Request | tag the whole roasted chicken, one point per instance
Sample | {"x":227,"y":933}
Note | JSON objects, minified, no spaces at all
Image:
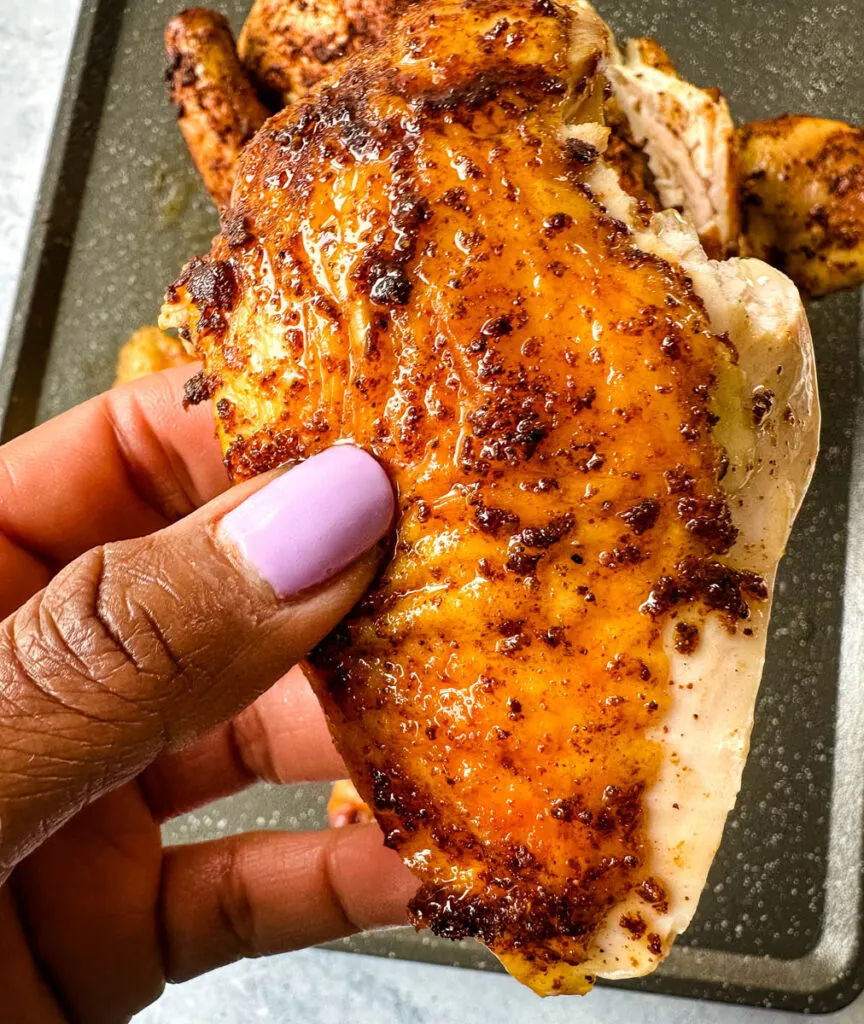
{"x":598,"y":437}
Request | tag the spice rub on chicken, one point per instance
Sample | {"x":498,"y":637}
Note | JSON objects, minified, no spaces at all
{"x":802,"y":183}
{"x":799,"y":193}
{"x":598,"y":440}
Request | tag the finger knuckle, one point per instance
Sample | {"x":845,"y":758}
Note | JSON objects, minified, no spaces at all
{"x":250,"y":747}
{"x":80,"y":640}
{"x":235,"y":905}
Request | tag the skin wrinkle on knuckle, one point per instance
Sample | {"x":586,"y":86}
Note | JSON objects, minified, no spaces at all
{"x":71,"y":641}
{"x":44,"y":753}
{"x":68,"y":652}
{"x":22,"y":728}
{"x":250,"y":747}
{"x":130,"y":590}
{"x":153,"y":475}
{"x":47,"y":647}
{"x":330,"y":868}
{"x":187,"y":620}
{"x":235,"y":906}
{"x":26,"y":686}
{"x":124,"y":609}
{"x":28,"y":768}
{"x":128,"y":619}
{"x":59,"y":635}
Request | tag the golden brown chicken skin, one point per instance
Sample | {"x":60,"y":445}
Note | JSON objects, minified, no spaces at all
{"x":414,"y":264}
{"x":802,"y":181}
{"x":217,"y":108}
{"x":801,"y":197}
{"x":288,"y":46}
{"x":149,"y":350}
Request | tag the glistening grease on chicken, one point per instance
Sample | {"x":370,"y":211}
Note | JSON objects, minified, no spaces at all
{"x":672,"y":143}
{"x":598,"y":440}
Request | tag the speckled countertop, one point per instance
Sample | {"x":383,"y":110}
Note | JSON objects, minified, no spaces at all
{"x":314,"y":987}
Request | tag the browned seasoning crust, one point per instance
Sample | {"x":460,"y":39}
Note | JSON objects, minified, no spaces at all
{"x":438,"y":285}
{"x":802,"y":194}
{"x":803,"y":199}
{"x":655,"y":56}
{"x":288,"y":46}
{"x":634,"y":174}
{"x":217,"y":107}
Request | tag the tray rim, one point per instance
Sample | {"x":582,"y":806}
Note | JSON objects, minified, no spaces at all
{"x":818,"y":982}
{"x":57,"y":207}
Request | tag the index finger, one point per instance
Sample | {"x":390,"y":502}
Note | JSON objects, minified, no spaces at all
{"x":273,"y":892}
{"x":122,"y":465}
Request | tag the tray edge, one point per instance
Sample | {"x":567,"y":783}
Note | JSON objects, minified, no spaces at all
{"x":56,"y":212}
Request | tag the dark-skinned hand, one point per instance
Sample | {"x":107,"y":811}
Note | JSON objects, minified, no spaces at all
{"x":153,"y":617}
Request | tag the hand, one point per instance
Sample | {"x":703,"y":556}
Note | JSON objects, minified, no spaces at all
{"x":152,"y":616}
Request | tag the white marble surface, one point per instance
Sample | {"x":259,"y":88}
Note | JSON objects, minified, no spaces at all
{"x":313,"y":987}
{"x":35,"y":37}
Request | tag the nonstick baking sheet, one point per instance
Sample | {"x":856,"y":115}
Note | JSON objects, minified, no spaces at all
{"x":121,"y":209}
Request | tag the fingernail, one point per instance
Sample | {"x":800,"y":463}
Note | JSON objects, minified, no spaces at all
{"x":312,"y":522}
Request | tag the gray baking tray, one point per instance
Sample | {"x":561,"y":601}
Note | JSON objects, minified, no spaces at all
{"x":121,"y":209}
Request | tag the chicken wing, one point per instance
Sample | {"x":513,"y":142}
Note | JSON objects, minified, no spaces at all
{"x":598,"y":438}
{"x":803,"y":199}
{"x":217,"y":108}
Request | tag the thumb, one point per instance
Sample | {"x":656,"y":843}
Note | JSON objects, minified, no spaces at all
{"x":144,"y":645}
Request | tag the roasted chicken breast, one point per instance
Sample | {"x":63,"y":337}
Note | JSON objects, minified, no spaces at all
{"x":598,"y":438}
{"x":688,"y":140}
{"x":672,"y":143}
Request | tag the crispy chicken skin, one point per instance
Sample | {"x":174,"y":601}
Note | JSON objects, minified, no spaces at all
{"x":803,"y":199}
{"x":671,"y":143}
{"x":430,"y":259}
{"x":149,"y":350}
{"x":288,"y":46}
{"x":217,"y":107}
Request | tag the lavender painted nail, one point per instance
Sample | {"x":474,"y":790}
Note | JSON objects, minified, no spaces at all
{"x":312,"y":522}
